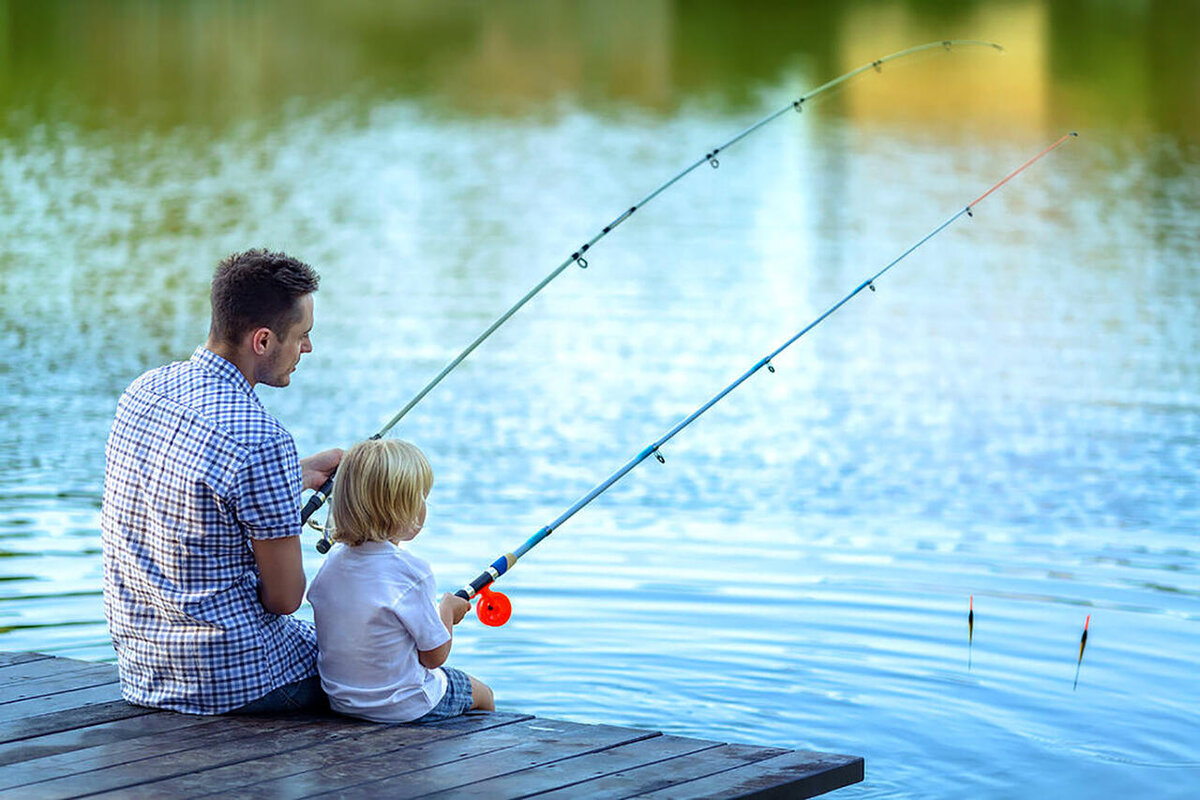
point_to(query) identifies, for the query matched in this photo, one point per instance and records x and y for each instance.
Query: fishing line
(494, 608)
(578, 256)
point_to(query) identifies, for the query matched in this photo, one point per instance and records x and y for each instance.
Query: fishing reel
(325, 542)
(493, 608)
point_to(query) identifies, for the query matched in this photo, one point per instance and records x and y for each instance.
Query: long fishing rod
(494, 608)
(578, 256)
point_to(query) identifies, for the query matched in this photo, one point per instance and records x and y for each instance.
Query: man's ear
(259, 340)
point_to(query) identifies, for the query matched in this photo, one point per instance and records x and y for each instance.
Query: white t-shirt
(374, 609)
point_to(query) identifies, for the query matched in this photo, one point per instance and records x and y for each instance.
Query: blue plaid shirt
(196, 468)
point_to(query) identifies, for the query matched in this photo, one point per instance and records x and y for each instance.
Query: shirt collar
(212, 362)
(373, 547)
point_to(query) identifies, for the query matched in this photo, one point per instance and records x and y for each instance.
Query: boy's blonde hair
(379, 492)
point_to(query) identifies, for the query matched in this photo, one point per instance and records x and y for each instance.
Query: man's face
(286, 348)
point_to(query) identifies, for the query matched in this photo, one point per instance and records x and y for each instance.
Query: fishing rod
(494, 608)
(578, 256)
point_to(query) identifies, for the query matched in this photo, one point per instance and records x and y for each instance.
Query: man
(201, 513)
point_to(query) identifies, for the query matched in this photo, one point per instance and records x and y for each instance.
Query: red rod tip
(1088, 620)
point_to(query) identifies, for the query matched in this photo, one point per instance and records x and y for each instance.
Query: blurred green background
(130, 64)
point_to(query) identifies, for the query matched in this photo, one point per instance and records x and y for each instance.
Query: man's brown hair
(258, 289)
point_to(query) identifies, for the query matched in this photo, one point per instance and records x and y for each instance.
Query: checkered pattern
(196, 467)
(456, 701)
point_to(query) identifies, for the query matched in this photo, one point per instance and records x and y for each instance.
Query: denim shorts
(455, 702)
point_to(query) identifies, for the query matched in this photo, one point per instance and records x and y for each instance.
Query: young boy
(381, 641)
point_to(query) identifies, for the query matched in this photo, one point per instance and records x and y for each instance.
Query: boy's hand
(454, 607)
(315, 470)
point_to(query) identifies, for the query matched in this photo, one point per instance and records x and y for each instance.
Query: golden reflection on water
(986, 87)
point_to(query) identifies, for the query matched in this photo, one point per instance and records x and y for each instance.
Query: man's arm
(266, 499)
(281, 568)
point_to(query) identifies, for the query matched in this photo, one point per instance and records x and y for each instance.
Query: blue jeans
(303, 695)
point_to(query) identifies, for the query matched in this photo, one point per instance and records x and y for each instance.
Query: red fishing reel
(493, 608)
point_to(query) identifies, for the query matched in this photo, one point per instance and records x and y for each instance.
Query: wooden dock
(66, 732)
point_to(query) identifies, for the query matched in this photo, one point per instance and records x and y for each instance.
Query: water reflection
(212, 64)
(1013, 416)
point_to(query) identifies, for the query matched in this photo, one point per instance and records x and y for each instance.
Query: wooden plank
(64, 732)
(575, 771)
(391, 752)
(233, 741)
(109, 767)
(511, 749)
(54, 775)
(96, 735)
(37, 706)
(8, 659)
(795, 774)
(369, 740)
(640, 780)
(24, 689)
(68, 719)
(42, 668)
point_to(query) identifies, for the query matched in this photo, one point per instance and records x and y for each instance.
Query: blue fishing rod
(318, 498)
(495, 608)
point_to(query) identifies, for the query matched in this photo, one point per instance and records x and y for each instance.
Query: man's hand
(318, 469)
(453, 608)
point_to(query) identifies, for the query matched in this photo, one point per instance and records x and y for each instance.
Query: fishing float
(318, 498)
(494, 608)
(970, 631)
(1082, 645)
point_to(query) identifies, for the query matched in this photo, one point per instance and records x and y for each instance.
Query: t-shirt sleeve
(416, 610)
(266, 494)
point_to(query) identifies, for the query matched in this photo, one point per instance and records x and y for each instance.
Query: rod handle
(317, 500)
(497, 568)
(474, 587)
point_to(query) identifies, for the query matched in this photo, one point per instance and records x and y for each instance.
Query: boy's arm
(452, 609)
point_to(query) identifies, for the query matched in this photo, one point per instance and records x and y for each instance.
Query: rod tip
(1074, 133)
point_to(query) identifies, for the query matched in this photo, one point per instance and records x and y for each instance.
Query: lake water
(1014, 416)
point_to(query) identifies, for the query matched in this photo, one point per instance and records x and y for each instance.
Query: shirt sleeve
(266, 494)
(416, 610)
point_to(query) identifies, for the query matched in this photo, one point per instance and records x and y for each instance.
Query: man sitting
(201, 513)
